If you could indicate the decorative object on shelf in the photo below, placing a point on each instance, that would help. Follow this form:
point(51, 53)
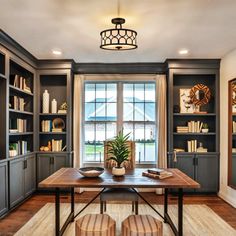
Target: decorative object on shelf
point(186, 105)
point(46, 98)
point(58, 125)
point(63, 108)
point(47, 148)
point(118, 151)
point(205, 128)
point(233, 87)
point(176, 109)
point(54, 106)
point(91, 171)
point(200, 95)
point(201, 148)
point(118, 38)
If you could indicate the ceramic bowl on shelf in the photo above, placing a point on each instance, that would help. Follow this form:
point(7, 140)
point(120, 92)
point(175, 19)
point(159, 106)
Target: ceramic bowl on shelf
point(91, 171)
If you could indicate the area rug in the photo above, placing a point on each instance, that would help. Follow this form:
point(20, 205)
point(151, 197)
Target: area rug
point(199, 220)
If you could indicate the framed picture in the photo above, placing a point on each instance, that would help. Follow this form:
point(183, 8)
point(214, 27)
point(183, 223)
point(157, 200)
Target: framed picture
point(186, 106)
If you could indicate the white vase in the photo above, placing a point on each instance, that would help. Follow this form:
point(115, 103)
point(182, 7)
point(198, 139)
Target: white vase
point(54, 106)
point(205, 130)
point(118, 171)
point(45, 102)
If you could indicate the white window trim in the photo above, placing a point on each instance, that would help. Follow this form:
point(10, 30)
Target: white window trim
point(119, 79)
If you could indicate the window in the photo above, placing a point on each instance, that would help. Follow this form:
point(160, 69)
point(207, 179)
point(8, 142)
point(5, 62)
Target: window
point(109, 107)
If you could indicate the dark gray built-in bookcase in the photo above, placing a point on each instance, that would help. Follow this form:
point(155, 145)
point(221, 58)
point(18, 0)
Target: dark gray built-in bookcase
point(58, 84)
point(201, 166)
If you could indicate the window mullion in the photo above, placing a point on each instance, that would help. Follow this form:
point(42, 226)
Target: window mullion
point(119, 106)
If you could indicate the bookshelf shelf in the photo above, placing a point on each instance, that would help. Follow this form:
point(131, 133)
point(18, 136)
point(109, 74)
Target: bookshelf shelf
point(194, 114)
point(52, 133)
point(21, 134)
point(195, 134)
point(52, 114)
point(21, 91)
point(3, 76)
point(21, 112)
point(19, 156)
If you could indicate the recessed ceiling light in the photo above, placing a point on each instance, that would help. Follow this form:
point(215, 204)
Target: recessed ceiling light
point(56, 52)
point(183, 51)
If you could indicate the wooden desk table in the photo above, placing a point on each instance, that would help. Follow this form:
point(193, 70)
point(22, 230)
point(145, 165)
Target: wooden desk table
point(70, 178)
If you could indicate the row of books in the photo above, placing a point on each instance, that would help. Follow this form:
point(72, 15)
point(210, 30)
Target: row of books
point(234, 126)
point(17, 103)
point(17, 125)
point(157, 173)
point(19, 82)
point(57, 145)
point(192, 145)
point(18, 148)
point(46, 126)
point(192, 127)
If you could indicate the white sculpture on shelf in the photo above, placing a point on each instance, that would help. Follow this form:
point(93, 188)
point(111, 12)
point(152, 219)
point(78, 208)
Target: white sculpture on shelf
point(54, 106)
point(46, 98)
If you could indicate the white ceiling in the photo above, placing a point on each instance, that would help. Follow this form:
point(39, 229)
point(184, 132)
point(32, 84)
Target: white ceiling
point(206, 27)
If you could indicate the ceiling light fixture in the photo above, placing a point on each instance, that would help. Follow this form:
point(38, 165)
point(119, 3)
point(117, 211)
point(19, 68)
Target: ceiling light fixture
point(118, 38)
point(183, 51)
point(56, 52)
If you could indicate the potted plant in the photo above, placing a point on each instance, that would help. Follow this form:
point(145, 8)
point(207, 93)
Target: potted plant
point(118, 151)
point(205, 128)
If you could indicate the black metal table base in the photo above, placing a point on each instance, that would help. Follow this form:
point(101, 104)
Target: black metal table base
point(167, 219)
point(59, 231)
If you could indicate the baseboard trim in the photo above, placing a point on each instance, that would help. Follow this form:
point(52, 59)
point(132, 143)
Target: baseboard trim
point(228, 199)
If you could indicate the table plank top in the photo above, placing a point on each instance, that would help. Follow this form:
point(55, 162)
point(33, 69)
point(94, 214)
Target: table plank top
point(70, 177)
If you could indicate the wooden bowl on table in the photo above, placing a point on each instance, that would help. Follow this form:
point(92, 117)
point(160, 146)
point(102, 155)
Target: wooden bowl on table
point(91, 171)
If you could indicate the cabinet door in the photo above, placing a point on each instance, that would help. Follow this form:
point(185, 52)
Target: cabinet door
point(44, 166)
point(16, 176)
point(185, 163)
point(207, 172)
point(30, 175)
point(60, 161)
point(3, 188)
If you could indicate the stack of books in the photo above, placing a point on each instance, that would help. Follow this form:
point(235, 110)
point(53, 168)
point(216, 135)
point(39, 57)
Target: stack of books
point(17, 103)
point(46, 125)
point(19, 82)
point(195, 126)
point(192, 145)
point(17, 125)
point(182, 129)
point(56, 145)
point(157, 173)
point(234, 126)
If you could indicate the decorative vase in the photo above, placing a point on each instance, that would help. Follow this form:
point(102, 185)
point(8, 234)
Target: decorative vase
point(54, 106)
point(118, 171)
point(46, 102)
point(205, 130)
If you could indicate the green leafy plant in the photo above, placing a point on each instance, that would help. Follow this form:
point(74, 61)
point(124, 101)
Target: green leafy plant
point(118, 149)
point(205, 126)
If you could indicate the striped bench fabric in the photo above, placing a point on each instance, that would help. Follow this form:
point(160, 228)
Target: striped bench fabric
point(141, 225)
point(95, 225)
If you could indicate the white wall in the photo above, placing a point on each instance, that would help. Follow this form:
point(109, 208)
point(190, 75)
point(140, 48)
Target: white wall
point(227, 72)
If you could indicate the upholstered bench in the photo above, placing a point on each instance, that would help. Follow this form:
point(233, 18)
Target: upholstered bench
point(95, 225)
point(141, 225)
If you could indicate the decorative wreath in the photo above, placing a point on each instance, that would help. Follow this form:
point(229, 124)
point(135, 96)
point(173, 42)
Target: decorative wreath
point(194, 94)
point(233, 94)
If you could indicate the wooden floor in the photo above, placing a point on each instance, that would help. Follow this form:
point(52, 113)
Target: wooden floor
point(16, 219)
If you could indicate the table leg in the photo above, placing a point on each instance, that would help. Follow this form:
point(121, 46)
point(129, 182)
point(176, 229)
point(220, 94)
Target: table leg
point(57, 212)
point(72, 195)
point(180, 212)
point(165, 205)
